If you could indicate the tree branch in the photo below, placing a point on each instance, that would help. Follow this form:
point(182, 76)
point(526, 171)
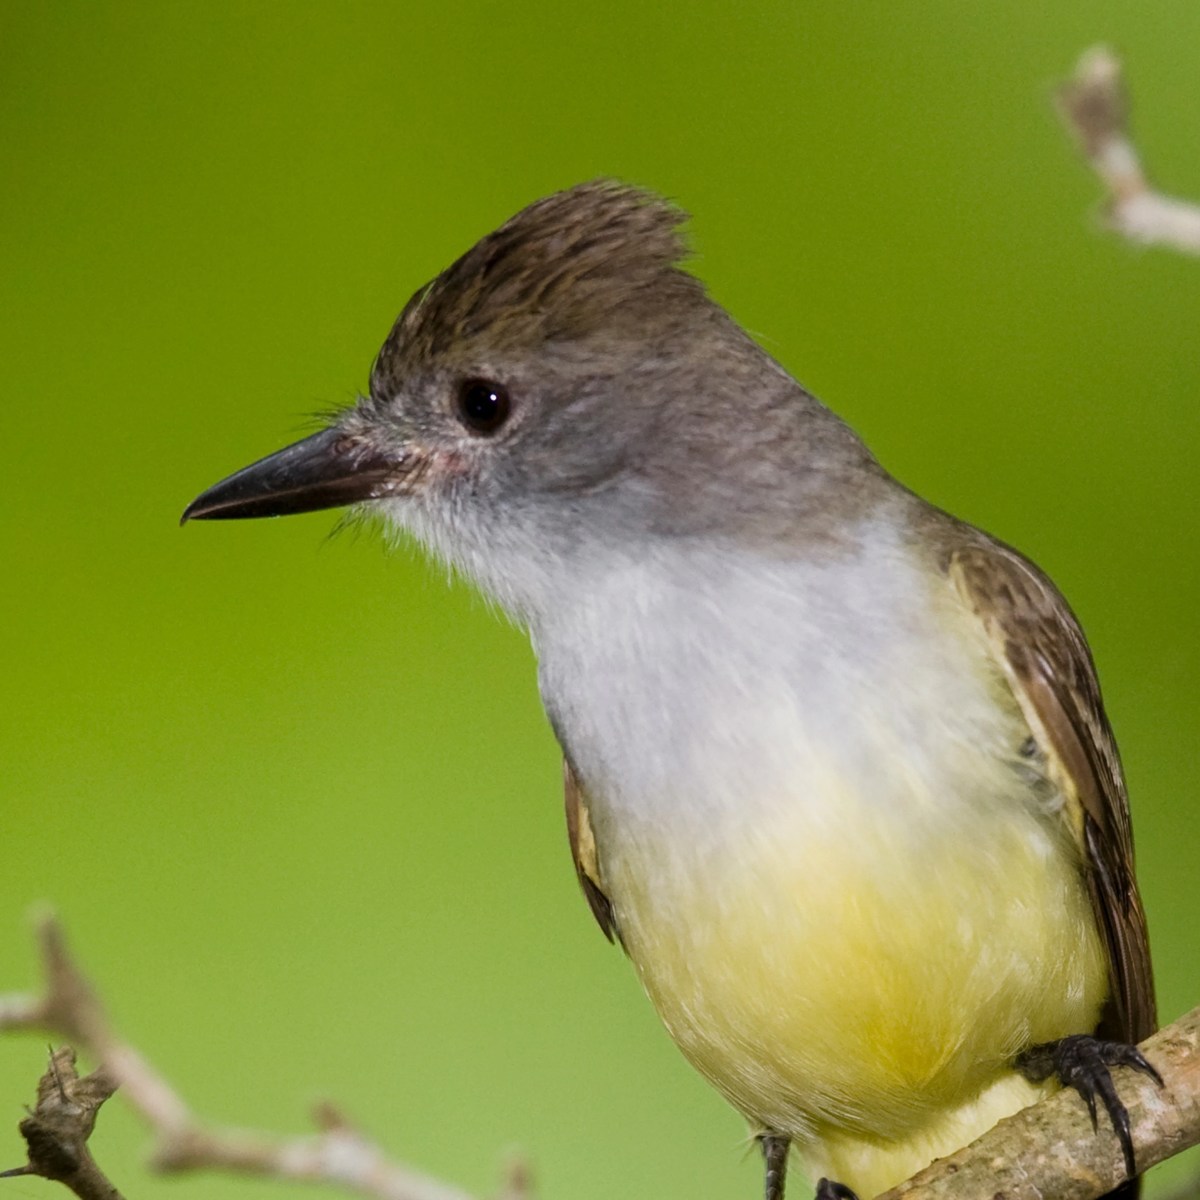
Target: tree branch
point(1094, 105)
point(337, 1154)
point(57, 1130)
point(1050, 1149)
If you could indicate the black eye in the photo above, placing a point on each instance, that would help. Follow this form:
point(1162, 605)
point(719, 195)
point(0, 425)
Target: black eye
point(483, 406)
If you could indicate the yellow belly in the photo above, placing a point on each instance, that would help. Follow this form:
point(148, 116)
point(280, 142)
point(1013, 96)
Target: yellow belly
point(866, 994)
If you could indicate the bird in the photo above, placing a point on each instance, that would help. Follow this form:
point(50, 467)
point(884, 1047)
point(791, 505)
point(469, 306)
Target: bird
point(838, 777)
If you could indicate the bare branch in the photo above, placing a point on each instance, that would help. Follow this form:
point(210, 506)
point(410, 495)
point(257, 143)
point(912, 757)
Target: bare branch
point(57, 1130)
point(1095, 108)
point(337, 1153)
point(1051, 1149)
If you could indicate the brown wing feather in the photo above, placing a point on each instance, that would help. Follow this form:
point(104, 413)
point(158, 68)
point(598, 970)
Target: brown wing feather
point(583, 851)
point(1045, 657)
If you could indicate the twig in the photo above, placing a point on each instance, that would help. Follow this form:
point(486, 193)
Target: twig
point(1051, 1149)
point(1095, 107)
point(337, 1153)
point(57, 1130)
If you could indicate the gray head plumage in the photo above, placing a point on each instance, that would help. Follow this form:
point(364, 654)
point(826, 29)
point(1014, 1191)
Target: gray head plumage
point(634, 407)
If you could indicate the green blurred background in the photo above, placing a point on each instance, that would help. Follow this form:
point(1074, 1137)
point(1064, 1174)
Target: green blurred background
point(294, 797)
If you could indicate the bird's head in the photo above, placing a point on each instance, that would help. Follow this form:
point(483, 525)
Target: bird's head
point(564, 387)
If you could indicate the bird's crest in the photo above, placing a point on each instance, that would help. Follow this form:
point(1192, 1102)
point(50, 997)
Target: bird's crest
point(599, 256)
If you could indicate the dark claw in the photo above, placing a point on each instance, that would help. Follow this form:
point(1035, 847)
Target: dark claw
point(1137, 1060)
point(1083, 1063)
point(829, 1189)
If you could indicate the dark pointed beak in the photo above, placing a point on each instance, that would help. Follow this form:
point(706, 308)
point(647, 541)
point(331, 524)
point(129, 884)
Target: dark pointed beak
point(327, 470)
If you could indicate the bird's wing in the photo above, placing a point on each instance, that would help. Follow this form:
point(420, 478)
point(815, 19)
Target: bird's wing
point(1042, 651)
point(583, 851)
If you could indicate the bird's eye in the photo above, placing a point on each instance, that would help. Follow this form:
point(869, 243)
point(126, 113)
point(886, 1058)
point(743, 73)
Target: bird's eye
point(483, 406)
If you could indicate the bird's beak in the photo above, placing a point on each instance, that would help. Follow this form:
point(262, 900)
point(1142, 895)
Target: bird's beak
point(327, 470)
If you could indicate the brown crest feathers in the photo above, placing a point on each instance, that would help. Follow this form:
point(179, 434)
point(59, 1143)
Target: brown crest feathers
point(598, 257)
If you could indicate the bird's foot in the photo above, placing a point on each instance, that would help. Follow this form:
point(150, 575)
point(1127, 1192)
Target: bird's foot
point(775, 1155)
point(1082, 1062)
point(829, 1189)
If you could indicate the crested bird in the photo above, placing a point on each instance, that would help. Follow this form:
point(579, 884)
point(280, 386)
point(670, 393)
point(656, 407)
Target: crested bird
point(838, 775)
